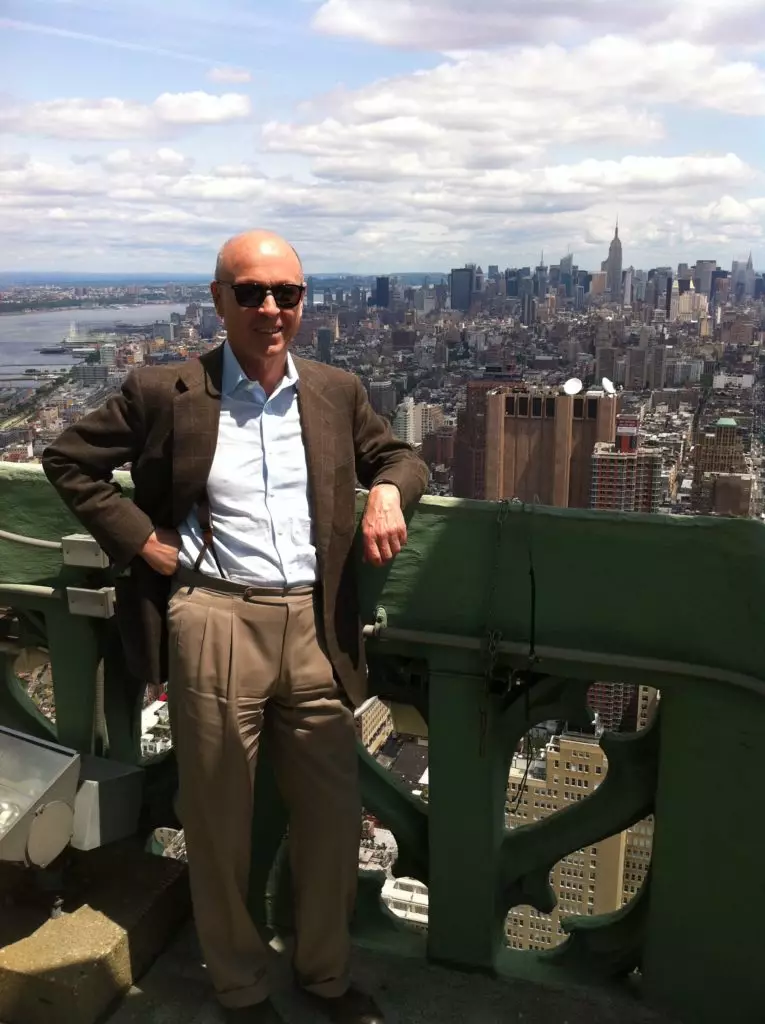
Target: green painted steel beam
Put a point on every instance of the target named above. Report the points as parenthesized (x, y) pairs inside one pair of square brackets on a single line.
[(498, 616)]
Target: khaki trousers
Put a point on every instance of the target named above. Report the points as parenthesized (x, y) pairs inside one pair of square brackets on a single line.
[(239, 666)]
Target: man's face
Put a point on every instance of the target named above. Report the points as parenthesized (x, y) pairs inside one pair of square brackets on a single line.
[(266, 330)]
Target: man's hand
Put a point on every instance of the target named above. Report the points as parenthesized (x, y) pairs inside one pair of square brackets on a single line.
[(161, 551), (382, 526)]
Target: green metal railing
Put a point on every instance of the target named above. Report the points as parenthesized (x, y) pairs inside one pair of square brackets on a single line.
[(494, 618)]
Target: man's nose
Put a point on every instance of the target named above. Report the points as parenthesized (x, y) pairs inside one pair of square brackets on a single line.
[(269, 306)]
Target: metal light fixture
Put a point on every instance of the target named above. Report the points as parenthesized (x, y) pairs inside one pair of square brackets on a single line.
[(38, 785)]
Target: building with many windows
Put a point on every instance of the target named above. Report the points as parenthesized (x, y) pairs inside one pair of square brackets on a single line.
[(718, 454), (407, 423), (470, 442), (613, 269), (462, 286), (374, 724), (587, 882), (626, 477), (382, 396), (383, 292), (324, 344), (539, 443)]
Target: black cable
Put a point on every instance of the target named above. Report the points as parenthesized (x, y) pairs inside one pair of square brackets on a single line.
[(532, 657), (532, 592), (524, 782)]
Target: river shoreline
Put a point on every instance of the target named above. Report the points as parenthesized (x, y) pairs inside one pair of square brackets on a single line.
[(76, 309)]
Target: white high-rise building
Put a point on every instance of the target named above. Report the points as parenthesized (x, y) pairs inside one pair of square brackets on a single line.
[(691, 305), (407, 423), (432, 418)]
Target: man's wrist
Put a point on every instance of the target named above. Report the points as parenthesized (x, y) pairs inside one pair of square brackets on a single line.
[(148, 544), (389, 485)]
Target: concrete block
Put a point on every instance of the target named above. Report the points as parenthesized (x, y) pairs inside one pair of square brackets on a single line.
[(70, 969), (122, 907)]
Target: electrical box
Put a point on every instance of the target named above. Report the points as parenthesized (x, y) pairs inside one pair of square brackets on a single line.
[(98, 604), (108, 802), (81, 549)]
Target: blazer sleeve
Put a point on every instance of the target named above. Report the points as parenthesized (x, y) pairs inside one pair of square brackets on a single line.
[(80, 465), (380, 457)]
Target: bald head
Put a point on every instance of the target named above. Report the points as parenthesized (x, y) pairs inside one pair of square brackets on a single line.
[(260, 247)]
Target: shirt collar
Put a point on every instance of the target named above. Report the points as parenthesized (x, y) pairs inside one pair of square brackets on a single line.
[(234, 375)]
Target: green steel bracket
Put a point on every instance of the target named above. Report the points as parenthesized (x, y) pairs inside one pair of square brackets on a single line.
[(606, 946), (31, 628), (407, 818), (402, 679), (405, 815), (625, 796)]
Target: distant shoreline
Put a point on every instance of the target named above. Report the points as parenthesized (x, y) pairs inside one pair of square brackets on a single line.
[(85, 309)]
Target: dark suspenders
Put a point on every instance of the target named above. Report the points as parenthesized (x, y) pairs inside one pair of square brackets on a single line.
[(205, 524)]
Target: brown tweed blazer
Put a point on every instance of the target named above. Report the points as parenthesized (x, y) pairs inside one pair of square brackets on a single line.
[(165, 423)]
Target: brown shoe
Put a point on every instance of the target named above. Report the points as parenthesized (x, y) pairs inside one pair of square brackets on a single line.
[(259, 1013), (354, 1007)]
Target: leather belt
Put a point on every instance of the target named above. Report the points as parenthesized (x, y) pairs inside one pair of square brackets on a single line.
[(191, 578)]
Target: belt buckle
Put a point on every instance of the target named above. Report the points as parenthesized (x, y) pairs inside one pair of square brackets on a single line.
[(249, 593)]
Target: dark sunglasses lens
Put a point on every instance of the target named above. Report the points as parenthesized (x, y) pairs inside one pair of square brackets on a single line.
[(249, 295), (287, 296)]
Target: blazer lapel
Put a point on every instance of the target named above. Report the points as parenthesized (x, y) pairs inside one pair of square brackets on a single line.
[(318, 427), (196, 413)]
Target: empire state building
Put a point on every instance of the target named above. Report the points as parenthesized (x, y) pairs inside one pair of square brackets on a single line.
[(614, 268)]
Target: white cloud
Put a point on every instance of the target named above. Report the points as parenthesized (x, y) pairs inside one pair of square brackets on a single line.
[(238, 76), (454, 25), (201, 108), (454, 129), (565, 116), (728, 212), (164, 161), (171, 159), (114, 118), (125, 197), (236, 171)]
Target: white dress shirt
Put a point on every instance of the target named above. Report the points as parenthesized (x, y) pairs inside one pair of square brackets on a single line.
[(257, 488)]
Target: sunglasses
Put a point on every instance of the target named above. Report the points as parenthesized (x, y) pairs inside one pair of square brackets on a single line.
[(253, 295)]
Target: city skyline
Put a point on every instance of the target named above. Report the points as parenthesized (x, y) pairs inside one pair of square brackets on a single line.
[(41, 277), (410, 136)]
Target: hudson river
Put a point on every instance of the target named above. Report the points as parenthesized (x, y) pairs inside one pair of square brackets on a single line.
[(23, 333)]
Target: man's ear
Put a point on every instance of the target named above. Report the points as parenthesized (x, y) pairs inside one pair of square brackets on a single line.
[(216, 297)]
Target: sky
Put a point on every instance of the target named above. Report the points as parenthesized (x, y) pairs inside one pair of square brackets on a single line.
[(380, 137)]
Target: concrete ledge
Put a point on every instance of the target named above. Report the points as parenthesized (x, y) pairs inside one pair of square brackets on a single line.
[(122, 907), (177, 991)]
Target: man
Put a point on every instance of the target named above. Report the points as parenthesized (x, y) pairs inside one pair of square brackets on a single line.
[(240, 535)]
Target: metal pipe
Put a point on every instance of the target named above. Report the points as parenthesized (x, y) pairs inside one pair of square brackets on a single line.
[(32, 542), (26, 590), (624, 661)]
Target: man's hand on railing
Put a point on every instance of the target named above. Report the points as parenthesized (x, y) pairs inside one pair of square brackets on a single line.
[(161, 550), (383, 526)]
